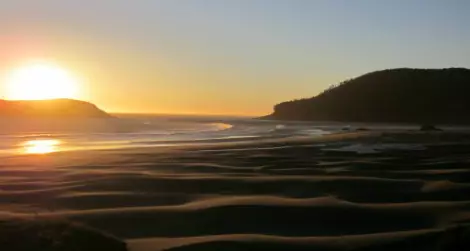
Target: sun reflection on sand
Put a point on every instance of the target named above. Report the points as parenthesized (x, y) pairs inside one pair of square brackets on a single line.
[(43, 146)]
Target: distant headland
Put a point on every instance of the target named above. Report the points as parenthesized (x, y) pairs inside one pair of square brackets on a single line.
[(436, 96), (66, 108)]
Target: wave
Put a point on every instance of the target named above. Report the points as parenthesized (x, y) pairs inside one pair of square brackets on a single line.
[(95, 134)]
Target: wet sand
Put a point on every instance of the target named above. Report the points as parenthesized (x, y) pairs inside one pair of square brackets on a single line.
[(289, 194)]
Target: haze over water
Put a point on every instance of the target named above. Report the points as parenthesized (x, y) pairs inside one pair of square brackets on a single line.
[(52, 135), (42, 136)]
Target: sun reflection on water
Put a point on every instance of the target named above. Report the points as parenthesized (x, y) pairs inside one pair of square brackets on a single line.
[(42, 146)]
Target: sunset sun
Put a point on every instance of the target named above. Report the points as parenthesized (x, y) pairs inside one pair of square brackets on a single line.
[(40, 81)]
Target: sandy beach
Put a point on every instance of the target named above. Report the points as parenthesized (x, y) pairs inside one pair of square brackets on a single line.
[(349, 191)]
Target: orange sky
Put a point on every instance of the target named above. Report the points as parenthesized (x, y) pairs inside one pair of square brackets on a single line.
[(120, 78), (226, 57)]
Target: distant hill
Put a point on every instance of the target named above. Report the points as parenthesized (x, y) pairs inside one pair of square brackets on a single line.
[(437, 96), (66, 108)]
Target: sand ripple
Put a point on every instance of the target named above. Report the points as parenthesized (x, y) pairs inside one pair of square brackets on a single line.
[(266, 197)]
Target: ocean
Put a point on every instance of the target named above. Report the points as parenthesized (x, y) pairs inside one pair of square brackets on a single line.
[(26, 136)]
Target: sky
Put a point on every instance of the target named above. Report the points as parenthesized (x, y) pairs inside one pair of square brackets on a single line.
[(227, 57)]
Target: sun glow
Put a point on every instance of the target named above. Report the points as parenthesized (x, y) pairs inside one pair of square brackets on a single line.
[(41, 146), (40, 81)]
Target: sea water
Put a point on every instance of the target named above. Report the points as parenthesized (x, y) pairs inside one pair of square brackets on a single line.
[(44, 135)]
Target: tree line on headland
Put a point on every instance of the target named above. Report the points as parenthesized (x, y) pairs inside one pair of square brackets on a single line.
[(424, 96)]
